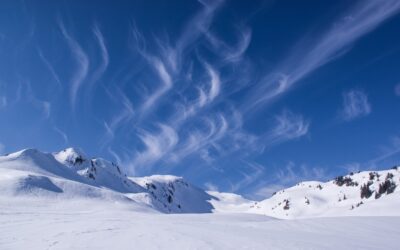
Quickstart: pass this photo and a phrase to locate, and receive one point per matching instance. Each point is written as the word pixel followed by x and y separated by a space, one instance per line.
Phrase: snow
pixel 317 199
pixel 172 194
pixel 88 224
pixel 229 203
pixel 66 200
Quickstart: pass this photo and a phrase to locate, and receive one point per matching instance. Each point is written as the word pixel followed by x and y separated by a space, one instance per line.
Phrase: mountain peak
pixel 71 156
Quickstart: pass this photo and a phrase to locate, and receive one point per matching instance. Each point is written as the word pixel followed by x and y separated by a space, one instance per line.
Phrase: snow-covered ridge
pixel 173 194
pixel 70 174
pixel 363 193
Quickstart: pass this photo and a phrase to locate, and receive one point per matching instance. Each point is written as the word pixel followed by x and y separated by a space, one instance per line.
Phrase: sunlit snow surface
pixel 66 200
pixel 35 224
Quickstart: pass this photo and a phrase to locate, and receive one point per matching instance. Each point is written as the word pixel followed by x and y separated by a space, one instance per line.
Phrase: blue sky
pixel 238 96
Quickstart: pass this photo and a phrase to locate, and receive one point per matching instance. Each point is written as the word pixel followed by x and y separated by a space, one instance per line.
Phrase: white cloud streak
pixel 355 105
pixel 124 116
pixel 228 53
pixel 192 32
pixel 201 139
pixel 254 172
pixel 115 155
pixel 397 90
pixel 288 126
pixel 44 106
pixel 104 55
pixel 3 102
pixel 156 145
pixel 46 109
pixel 166 83
pixel 292 173
pixel 360 20
pixel 387 152
pixel 62 134
pixel 206 95
pixel 215 83
pixel 49 67
pixel 82 61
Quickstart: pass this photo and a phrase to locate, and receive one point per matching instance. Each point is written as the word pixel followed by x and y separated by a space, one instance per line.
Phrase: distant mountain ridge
pixel 70 174
pixel 362 193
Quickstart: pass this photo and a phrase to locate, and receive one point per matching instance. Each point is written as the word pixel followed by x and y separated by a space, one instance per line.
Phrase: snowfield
pixel 66 200
pixel 35 224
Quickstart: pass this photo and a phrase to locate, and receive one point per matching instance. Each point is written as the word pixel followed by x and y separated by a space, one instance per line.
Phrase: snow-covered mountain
pixel 66 200
pixel 70 174
pixel 173 194
pixel 363 193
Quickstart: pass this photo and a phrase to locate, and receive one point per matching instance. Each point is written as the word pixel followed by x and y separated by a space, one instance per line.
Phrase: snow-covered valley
pixel 66 200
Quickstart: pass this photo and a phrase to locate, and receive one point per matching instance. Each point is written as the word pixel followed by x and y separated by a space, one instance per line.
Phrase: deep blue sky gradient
pixel 241 96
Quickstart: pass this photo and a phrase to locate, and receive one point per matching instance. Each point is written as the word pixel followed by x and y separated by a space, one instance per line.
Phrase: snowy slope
pixel 173 194
pixel 229 203
pixel 97 171
pixel 66 200
pixel 33 175
pixel 104 226
pixel 70 174
pixel 360 194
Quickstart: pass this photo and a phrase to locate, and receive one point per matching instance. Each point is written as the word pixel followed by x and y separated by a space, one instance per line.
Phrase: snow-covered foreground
pixel 66 200
pixel 44 224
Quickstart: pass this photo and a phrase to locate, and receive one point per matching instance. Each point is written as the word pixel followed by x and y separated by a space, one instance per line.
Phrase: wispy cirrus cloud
pixel 288 126
pixel 387 155
pixel 231 53
pixel 124 115
pixel 62 134
pixel 364 17
pixel 253 172
pixel 293 173
pixel 156 145
pixel 215 83
pixel 82 61
pixel 98 73
pixel 43 106
pixel 397 89
pixel 288 175
pixel 355 105
pixel 115 155
pixel 166 83
pixel 193 30
pixel 391 151
pixel 3 102
pixel 206 95
pixel 222 134
pixel 50 67
pixel 201 138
